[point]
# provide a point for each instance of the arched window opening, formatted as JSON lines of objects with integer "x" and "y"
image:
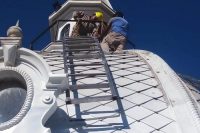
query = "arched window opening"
{"x": 65, "y": 32}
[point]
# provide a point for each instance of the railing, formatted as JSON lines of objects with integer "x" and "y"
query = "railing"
{"x": 129, "y": 43}
{"x": 56, "y": 23}
{"x": 32, "y": 43}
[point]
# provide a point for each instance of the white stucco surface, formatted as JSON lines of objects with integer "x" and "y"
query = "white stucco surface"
{"x": 150, "y": 98}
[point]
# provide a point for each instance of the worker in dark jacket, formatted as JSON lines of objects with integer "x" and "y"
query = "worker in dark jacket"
{"x": 80, "y": 28}
{"x": 115, "y": 40}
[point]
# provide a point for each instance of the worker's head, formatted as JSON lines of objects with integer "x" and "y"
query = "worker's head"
{"x": 78, "y": 14}
{"x": 99, "y": 15}
{"x": 118, "y": 14}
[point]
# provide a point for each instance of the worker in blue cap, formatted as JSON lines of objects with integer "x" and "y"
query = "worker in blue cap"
{"x": 116, "y": 38}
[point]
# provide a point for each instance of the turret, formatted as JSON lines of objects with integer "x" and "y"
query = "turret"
{"x": 59, "y": 20}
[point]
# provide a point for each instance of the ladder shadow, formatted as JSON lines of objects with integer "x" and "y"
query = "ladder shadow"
{"x": 105, "y": 126}
{"x": 60, "y": 122}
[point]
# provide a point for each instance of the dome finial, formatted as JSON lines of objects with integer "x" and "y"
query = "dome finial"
{"x": 17, "y": 24}
{"x": 14, "y": 31}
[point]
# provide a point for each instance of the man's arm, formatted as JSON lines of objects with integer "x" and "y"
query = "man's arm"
{"x": 106, "y": 31}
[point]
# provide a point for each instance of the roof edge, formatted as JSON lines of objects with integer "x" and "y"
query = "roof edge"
{"x": 182, "y": 102}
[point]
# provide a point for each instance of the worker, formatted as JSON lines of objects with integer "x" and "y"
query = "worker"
{"x": 100, "y": 26}
{"x": 91, "y": 28}
{"x": 81, "y": 28}
{"x": 115, "y": 40}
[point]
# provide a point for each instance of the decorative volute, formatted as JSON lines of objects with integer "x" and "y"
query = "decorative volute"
{"x": 11, "y": 43}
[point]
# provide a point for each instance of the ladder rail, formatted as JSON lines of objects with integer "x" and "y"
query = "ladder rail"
{"x": 108, "y": 73}
{"x": 67, "y": 93}
{"x": 69, "y": 56}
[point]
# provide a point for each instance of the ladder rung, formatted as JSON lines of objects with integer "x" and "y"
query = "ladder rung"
{"x": 89, "y": 99}
{"x": 87, "y": 74}
{"x": 79, "y": 41}
{"x": 79, "y": 45}
{"x": 89, "y": 86}
{"x": 78, "y": 50}
{"x": 84, "y": 56}
{"x": 75, "y": 39}
{"x": 91, "y": 64}
{"x": 79, "y": 38}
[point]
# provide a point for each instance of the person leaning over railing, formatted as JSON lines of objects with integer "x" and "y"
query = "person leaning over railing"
{"x": 100, "y": 26}
{"x": 81, "y": 28}
{"x": 93, "y": 27}
{"x": 115, "y": 40}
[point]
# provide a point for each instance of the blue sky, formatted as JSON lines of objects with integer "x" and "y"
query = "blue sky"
{"x": 169, "y": 28}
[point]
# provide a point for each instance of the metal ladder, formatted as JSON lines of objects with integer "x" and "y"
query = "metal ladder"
{"x": 86, "y": 48}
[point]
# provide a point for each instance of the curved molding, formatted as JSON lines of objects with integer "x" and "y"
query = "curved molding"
{"x": 33, "y": 59}
{"x": 181, "y": 100}
{"x": 27, "y": 104}
{"x": 36, "y": 72}
{"x": 36, "y": 61}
